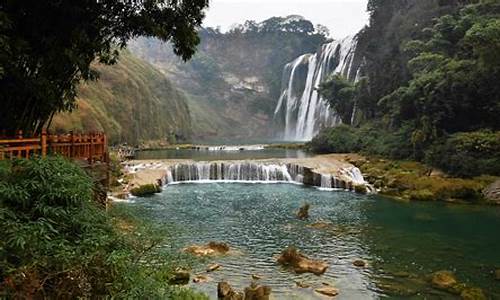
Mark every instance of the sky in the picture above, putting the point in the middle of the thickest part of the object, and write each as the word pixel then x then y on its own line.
pixel 342 17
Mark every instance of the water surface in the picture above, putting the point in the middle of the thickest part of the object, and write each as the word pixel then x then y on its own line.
pixel 402 242
pixel 206 155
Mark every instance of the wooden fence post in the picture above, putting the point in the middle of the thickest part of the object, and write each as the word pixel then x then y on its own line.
pixel 72 144
pixel 91 150
pixel 44 142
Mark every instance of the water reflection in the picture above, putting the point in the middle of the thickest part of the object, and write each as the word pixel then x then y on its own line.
pixel 207 155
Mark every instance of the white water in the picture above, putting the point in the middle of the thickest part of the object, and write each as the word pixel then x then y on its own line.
pixel 304 112
pixel 255 172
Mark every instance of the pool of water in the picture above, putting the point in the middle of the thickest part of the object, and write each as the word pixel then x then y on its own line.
pixel 402 243
pixel 206 155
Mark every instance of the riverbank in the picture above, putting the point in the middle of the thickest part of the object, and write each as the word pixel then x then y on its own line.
pixel 413 181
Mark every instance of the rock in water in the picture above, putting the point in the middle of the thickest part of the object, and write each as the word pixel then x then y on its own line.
pixel 210 249
pixel 213 267
pixel 256 277
pixel 257 292
pixel 200 279
pixel 473 294
pixel 303 212
pixel 443 280
pixel 327 291
pixel 302 285
pixel 497 274
pixel 300 263
pixel 226 292
pixel 180 276
pixel 359 263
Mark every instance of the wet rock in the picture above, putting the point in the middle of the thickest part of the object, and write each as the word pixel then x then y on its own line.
pixel 303 212
pixel 473 294
pixel 321 225
pixel 397 289
pixel 303 285
pixel 443 280
pixel 360 189
pixel 210 249
pixel 301 263
pixel 497 274
pixel 359 263
pixel 256 277
pixel 257 292
pixel 180 276
pixel 327 291
pixel 492 193
pixel 213 267
pixel 226 292
pixel 201 279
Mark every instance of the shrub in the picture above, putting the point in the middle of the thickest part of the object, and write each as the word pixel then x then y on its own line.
pixel 145 190
pixel 467 154
pixel 57 242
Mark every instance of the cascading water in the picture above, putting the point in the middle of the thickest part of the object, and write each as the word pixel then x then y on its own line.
pixel 301 110
pixel 247 171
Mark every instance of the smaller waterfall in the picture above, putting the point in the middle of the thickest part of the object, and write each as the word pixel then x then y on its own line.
pixel 253 172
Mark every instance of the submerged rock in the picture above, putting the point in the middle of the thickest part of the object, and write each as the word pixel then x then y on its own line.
pixel 180 276
pixel 226 292
pixel 303 212
pixel 303 285
pixel 497 274
pixel 473 294
pixel 257 292
pixel 327 291
pixel 443 280
pixel 359 263
pixel 213 267
pixel 201 279
pixel 301 263
pixel 210 249
pixel 321 225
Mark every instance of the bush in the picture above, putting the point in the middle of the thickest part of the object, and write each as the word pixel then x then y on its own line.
pixel 145 190
pixel 57 242
pixel 467 154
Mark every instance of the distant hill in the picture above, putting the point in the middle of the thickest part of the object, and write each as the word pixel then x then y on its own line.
pixel 132 102
pixel 234 81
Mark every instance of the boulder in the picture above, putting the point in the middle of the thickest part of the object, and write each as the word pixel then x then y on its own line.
pixel 301 263
pixel 213 267
pixel 257 292
pixel 303 212
pixel 327 291
pixel 473 294
pixel 226 292
pixel 180 276
pixel 359 263
pixel 443 280
pixel 210 249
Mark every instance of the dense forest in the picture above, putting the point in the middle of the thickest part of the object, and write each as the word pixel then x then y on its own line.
pixel 429 87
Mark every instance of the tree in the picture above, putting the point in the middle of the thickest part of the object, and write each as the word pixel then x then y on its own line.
pixel 340 93
pixel 48 47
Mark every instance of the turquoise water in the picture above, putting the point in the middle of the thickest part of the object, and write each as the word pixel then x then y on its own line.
pixel 401 242
pixel 205 155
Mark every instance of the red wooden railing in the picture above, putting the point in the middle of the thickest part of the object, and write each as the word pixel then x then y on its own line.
pixel 90 146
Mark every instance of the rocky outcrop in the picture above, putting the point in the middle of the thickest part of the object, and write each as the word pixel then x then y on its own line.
pixel 300 263
pixel 492 193
pixel 210 249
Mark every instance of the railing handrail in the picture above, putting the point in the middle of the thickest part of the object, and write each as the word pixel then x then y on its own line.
pixel 91 146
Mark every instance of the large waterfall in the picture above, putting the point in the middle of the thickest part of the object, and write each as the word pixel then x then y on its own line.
pixel 301 111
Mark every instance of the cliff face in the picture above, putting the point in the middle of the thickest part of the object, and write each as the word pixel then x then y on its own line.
pixel 233 82
pixel 132 102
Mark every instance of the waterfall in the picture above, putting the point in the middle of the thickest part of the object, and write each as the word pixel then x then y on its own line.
pixel 248 171
pixel 300 109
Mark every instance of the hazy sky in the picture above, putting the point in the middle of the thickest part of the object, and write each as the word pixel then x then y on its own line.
pixel 342 17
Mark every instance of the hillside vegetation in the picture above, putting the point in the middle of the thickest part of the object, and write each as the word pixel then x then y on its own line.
pixel 429 90
pixel 132 102
pixel 233 81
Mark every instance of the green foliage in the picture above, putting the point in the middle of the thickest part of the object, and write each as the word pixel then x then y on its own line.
pixel 340 139
pixel 56 242
pixel 340 93
pixel 467 154
pixel 132 102
pixel 145 190
pixel 50 47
